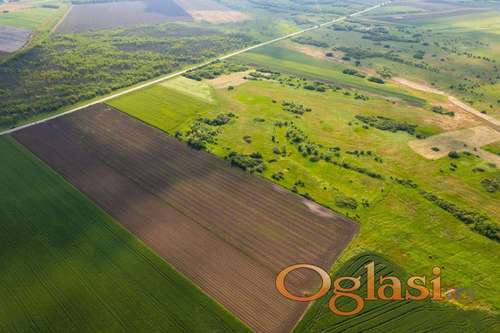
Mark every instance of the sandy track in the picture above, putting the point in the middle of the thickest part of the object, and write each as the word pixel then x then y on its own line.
pixel 470 139
pixel 455 101
pixel 228 231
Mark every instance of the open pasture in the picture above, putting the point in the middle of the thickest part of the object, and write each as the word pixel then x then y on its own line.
pixel 96 16
pixel 67 266
pixel 395 218
pixel 295 63
pixel 229 80
pixel 452 46
pixel 226 230
pixel 404 12
pixel 12 39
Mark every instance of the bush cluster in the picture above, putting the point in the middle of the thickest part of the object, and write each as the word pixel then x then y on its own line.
pixel 350 71
pixel 387 124
pixel 343 201
pixel 215 70
pixel 439 109
pixel 310 41
pixel 490 184
pixel 220 120
pixel 249 162
pixel 295 108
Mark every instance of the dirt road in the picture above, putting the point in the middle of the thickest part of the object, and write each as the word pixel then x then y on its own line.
pixel 455 101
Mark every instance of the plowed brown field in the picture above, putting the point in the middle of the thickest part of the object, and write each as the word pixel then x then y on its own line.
pixel 228 231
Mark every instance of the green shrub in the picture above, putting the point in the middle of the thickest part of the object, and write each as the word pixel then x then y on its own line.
pixel 387 124
pixel 478 222
pixel 440 110
pixel 376 80
pixel 250 163
pixel 354 72
pixel 490 184
pixel 343 201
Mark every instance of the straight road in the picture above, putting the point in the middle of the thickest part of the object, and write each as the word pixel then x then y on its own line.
pixel 173 75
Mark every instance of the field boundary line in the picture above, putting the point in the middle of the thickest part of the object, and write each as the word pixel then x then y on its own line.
pixel 61 20
pixel 184 71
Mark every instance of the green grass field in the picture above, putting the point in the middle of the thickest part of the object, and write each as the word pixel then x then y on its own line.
pixel 36 17
pixel 164 108
pixel 193 88
pixel 67 266
pixel 292 62
pixel 397 316
pixel 398 222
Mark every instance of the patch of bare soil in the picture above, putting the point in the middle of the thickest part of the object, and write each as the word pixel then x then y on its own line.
pixel 14 7
pixel 460 120
pixel 228 231
pixel 470 139
pixel 218 16
pixel 229 80
pixel 422 86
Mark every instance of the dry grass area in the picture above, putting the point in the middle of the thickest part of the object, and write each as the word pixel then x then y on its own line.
pixel 453 101
pixel 229 80
pixel 218 16
pixel 211 11
pixel 462 119
pixel 470 139
pixel 12 7
pixel 190 87
pixel 228 231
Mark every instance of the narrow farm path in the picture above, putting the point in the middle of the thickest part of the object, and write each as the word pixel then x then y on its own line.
pixel 455 101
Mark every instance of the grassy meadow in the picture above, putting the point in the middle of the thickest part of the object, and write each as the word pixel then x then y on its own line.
pixel 344 146
pixel 396 316
pixel 458 52
pixel 37 15
pixel 395 218
pixel 292 62
pixel 493 148
pixel 67 266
